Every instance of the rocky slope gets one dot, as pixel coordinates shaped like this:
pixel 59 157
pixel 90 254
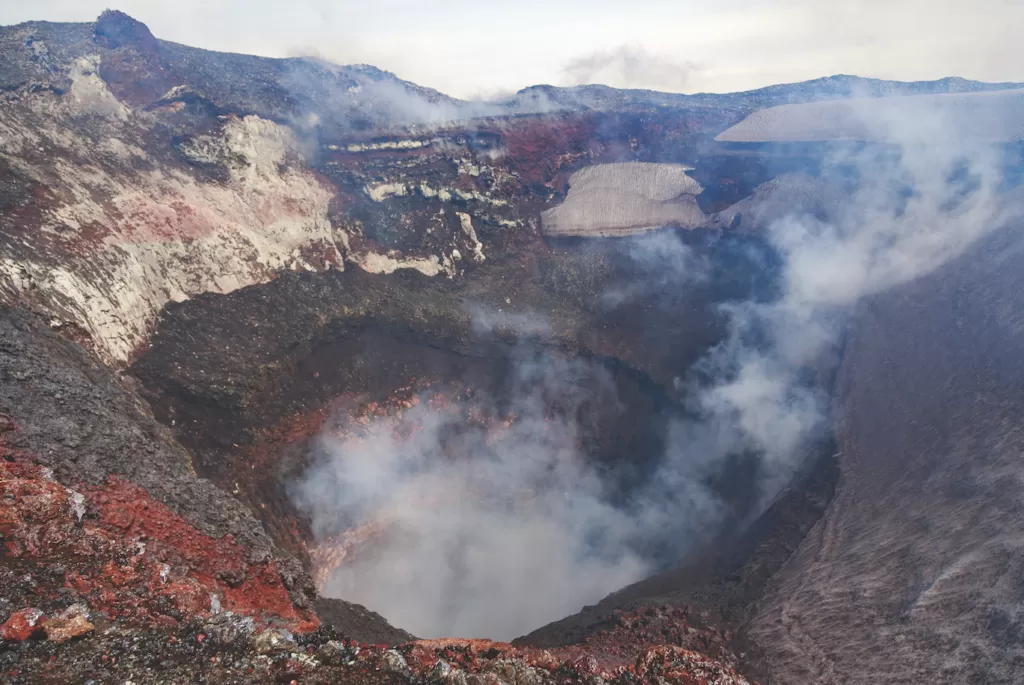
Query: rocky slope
pixel 209 260
pixel 914 569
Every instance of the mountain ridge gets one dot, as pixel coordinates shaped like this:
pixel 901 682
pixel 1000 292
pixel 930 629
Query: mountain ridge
pixel 315 83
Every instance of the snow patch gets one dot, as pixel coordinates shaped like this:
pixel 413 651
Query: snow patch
pixel 383 191
pixel 385 145
pixel 626 198
pixel 467 168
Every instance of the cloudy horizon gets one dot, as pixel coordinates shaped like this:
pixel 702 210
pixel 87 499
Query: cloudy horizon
pixel 480 51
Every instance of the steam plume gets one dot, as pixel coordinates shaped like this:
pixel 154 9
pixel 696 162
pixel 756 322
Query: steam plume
pixel 494 532
pixel 913 204
pixel 630 67
pixel 492 521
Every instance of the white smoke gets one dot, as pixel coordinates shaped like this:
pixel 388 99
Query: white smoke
pixel 492 522
pixel 631 67
pixel 668 263
pixel 917 200
pixel 492 532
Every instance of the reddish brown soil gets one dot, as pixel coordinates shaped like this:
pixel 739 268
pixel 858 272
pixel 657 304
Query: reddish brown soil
pixel 126 555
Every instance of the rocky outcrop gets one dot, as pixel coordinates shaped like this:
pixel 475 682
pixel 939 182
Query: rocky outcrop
pixel 115 233
pixel 115 29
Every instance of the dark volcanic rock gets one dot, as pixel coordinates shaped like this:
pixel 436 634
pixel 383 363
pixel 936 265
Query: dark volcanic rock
pixel 357 620
pixel 116 29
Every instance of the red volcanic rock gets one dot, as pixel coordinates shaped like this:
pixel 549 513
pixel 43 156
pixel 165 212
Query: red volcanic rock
pixel 21 625
pixel 216 565
pixel 545 146
pixel 128 509
pixel 678 665
pixel 131 558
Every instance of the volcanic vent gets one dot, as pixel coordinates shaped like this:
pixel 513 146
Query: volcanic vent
pixel 482 473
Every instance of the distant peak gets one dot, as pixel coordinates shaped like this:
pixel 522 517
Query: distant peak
pixel 115 29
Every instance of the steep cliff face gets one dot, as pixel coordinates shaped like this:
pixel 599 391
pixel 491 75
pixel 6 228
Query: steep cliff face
pixel 126 188
pixel 139 173
pixel 117 233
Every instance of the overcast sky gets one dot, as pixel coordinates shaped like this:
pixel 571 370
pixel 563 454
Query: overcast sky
pixel 483 48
